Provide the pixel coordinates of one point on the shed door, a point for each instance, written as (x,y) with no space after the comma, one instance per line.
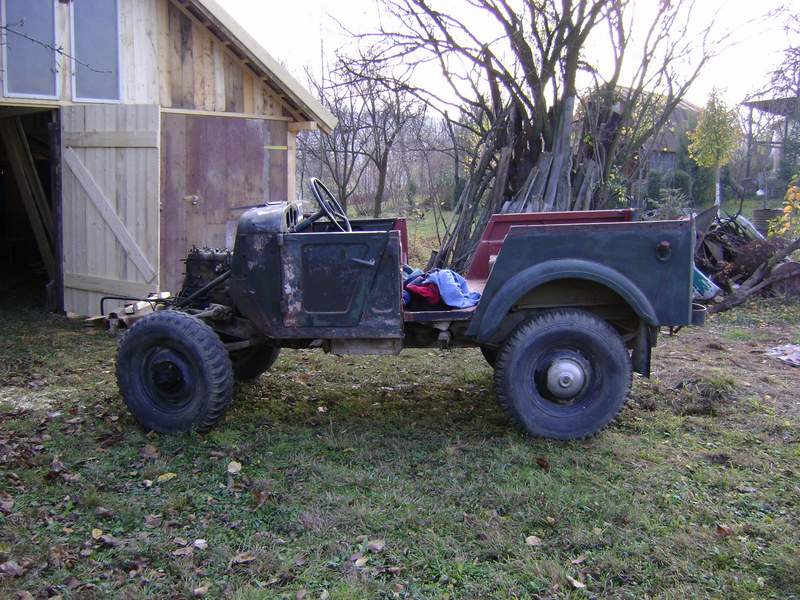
(110,176)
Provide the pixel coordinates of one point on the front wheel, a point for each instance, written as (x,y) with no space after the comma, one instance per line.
(174,373)
(563,375)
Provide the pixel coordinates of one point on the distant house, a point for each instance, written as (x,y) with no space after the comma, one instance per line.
(132,130)
(662,153)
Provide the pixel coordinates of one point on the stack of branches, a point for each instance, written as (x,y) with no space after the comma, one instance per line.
(742,264)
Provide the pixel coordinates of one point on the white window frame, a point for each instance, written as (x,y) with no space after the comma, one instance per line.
(8,94)
(73,64)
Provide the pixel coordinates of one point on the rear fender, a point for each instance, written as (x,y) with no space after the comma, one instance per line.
(489,316)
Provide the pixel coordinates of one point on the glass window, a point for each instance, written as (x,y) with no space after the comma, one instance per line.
(96,46)
(30,57)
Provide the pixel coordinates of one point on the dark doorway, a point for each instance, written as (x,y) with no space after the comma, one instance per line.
(28,208)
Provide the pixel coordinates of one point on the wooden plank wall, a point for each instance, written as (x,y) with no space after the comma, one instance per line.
(127,176)
(213,169)
(197,71)
(168,57)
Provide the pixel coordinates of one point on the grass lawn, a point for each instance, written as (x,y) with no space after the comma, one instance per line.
(400,478)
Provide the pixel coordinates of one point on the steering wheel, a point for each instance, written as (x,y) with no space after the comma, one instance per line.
(329,207)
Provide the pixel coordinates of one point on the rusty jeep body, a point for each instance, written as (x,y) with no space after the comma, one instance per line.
(571,304)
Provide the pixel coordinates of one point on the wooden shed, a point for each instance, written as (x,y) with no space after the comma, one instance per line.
(132,130)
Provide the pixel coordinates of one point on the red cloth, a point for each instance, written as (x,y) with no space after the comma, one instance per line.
(428,292)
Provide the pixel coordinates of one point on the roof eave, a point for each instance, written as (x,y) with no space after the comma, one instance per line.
(255,53)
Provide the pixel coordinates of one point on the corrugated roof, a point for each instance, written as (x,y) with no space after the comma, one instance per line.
(261,60)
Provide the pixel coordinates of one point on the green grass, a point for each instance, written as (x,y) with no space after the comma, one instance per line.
(694,492)
(749,205)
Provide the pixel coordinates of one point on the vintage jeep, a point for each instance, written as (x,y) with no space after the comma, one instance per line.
(571,304)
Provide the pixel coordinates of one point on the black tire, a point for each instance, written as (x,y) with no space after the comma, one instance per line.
(253,361)
(563,375)
(174,373)
(490,354)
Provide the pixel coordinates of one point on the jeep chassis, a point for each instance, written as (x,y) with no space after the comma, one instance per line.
(571,305)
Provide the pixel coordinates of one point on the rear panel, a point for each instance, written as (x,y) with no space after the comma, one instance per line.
(656,257)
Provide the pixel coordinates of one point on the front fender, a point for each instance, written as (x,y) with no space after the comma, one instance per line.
(493,309)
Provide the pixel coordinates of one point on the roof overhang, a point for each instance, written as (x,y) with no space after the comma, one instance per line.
(224,26)
(782,107)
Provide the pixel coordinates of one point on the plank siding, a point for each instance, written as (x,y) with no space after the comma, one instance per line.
(168,57)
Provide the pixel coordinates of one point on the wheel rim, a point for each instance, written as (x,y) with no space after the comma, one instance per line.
(562,378)
(168,377)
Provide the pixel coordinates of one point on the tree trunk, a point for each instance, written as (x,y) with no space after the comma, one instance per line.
(376,208)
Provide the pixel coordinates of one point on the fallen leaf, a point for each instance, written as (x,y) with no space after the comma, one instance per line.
(597,530)
(186,551)
(152,521)
(579,560)
(110,540)
(180,541)
(242,558)
(393,570)
(149,451)
(578,585)
(56,466)
(376,545)
(200,544)
(234,467)
(23,595)
(6,503)
(300,594)
(325,595)
(166,477)
(103,512)
(147,483)
(96,533)
(724,531)
(550,520)
(11,568)
(201,590)
(543,464)
(533,540)
(360,562)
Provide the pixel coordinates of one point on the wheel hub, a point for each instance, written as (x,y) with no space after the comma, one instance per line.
(565,378)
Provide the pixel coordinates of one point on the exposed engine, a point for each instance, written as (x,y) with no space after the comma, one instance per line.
(203,265)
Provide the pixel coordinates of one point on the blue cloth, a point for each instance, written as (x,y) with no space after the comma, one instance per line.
(453,288)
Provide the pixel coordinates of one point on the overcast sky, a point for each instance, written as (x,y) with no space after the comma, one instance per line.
(300,32)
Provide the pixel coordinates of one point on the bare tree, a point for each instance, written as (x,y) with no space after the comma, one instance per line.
(515,89)
(343,153)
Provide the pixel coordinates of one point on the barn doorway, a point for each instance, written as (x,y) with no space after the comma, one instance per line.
(29,205)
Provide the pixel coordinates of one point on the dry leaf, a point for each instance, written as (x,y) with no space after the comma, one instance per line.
(11,568)
(103,512)
(110,540)
(96,533)
(200,544)
(533,540)
(597,530)
(579,560)
(578,585)
(325,595)
(376,545)
(550,520)
(149,451)
(6,503)
(186,551)
(543,464)
(23,595)
(201,591)
(360,562)
(724,531)
(147,483)
(300,594)
(242,558)
(152,521)
(166,477)
(234,467)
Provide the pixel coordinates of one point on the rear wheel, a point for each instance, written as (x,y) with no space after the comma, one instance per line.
(251,362)
(174,373)
(563,375)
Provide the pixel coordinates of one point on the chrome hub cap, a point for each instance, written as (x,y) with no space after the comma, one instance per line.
(565,378)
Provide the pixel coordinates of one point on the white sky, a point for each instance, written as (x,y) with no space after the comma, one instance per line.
(300,32)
